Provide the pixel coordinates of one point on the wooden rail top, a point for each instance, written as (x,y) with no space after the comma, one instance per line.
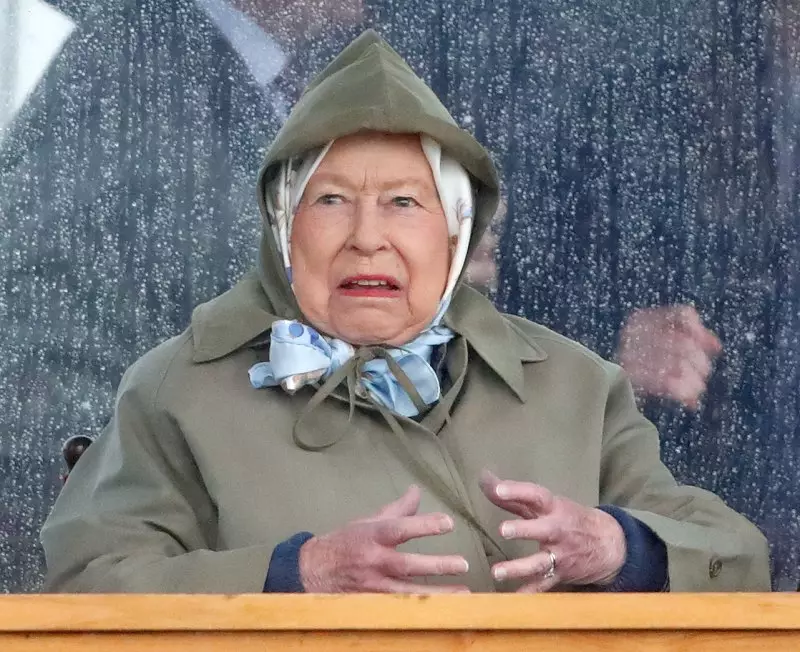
(485,612)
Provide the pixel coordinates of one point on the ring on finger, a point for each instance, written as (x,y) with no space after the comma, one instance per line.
(551,571)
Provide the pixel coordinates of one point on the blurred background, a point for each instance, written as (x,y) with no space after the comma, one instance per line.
(650,158)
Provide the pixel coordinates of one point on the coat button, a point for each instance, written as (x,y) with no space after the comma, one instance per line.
(714,567)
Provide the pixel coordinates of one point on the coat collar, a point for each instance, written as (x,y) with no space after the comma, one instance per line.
(500,344)
(238,317)
(232,320)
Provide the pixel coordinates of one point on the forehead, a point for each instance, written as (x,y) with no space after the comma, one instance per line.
(379,154)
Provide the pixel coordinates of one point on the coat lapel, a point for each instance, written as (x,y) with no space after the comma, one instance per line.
(494,337)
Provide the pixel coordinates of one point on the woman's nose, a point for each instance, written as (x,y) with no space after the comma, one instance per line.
(368,228)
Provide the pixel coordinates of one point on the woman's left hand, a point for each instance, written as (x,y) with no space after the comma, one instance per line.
(588,544)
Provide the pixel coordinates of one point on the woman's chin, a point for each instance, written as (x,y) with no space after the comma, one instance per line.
(373,332)
(361,336)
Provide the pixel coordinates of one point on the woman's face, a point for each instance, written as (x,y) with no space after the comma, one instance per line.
(370,247)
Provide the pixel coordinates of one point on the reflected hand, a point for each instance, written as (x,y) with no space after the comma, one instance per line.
(588,544)
(667,352)
(361,556)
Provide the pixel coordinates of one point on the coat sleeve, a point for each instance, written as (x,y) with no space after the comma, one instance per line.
(135,515)
(710,547)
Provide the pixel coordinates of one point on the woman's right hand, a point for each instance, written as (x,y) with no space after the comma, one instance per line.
(361,557)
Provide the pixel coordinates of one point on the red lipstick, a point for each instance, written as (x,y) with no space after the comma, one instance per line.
(370,286)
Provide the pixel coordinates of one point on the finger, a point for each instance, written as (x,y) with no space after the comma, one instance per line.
(534,567)
(692,382)
(391,585)
(399,564)
(510,495)
(393,532)
(685,318)
(519,509)
(541,585)
(545,529)
(700,362)
(687,356)
(488,481)
(711,343)
(686,389)
(690,322)
(406,505)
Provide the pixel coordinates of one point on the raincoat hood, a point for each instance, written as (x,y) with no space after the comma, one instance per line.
(367,87)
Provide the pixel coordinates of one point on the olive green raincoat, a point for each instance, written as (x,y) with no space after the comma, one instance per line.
(199,476)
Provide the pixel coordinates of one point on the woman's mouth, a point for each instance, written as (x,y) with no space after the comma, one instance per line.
(375,286)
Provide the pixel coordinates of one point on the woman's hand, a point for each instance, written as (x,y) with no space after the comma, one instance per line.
(588,544)
(361,557)
(667,352)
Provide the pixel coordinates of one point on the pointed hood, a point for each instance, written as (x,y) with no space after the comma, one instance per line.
(367,87)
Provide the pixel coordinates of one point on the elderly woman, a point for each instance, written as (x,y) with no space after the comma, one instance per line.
(351,417)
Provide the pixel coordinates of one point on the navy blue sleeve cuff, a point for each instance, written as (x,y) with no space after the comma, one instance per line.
(646,568)
(283,575)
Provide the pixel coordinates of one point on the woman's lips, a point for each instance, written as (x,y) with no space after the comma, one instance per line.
(372,286)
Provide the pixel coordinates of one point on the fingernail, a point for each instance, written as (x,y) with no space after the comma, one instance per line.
(501,491)
(466,566)
(447,523)
(508,530)
(499,573)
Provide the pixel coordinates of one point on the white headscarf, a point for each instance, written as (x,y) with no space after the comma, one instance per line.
(453,185)
(299,355)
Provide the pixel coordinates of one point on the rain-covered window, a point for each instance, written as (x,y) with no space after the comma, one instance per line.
(650,161)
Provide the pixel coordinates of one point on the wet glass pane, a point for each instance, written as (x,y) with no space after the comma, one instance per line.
(649,155)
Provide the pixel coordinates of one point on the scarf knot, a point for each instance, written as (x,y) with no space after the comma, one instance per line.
(300,356)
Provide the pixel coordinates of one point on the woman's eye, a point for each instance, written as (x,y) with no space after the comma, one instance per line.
(330,200)
(405,202)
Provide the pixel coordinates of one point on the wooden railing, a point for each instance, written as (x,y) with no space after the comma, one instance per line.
(369,623)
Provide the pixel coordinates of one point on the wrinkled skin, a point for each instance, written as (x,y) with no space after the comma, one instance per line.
(589,545)
(361,557)
(371,209)
(668,353)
